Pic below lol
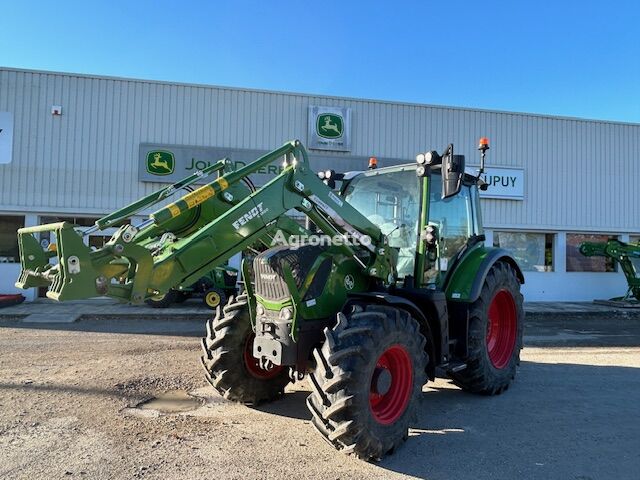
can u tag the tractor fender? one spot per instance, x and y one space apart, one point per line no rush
426 328
466 281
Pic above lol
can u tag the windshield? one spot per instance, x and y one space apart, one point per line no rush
390 200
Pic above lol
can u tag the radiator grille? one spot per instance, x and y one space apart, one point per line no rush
268 267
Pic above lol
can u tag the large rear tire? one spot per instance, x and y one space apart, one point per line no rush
367 381
228 359
496 323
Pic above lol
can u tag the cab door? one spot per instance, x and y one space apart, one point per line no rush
455 221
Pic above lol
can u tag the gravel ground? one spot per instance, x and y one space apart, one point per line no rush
68 392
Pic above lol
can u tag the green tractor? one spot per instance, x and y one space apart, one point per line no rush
395 287
214 288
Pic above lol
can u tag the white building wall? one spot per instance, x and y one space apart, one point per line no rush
580 175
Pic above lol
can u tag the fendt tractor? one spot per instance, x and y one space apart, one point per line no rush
394 287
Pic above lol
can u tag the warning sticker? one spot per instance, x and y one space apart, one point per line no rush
198 196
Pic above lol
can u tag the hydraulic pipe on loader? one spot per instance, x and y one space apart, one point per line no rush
136 263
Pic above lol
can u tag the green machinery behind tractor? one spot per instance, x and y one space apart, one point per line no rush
627 255
214 287
396 287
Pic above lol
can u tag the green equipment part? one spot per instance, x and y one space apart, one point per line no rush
395 286
626 254
147 260
214 287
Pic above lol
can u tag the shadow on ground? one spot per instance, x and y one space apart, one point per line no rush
292 405
556 421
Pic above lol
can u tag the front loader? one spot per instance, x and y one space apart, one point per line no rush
396 287
627 255
170 250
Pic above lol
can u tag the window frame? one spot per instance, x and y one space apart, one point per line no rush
16 258
554 246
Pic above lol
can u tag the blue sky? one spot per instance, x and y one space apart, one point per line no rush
573 57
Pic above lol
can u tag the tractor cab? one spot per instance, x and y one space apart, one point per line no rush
430 217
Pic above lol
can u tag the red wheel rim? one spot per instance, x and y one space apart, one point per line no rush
253 365
389 407
502 329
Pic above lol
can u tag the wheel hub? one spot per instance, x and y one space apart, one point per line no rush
381 382
212 299
391 385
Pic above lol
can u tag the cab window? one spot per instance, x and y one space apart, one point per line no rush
390 200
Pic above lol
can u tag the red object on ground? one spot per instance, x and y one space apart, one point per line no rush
8 300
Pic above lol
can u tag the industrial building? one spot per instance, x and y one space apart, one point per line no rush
76 147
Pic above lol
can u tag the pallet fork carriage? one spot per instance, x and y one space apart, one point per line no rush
405 288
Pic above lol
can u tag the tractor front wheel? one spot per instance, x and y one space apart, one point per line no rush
228 358
496 322
367 381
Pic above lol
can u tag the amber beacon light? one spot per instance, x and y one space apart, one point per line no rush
483 144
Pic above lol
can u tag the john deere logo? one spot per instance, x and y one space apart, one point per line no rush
329 125
160 162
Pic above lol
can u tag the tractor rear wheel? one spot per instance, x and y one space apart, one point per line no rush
496 322
214 297
228 358
367 381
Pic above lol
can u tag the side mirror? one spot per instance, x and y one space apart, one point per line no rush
452 172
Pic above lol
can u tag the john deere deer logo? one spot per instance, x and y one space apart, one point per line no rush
329 125
160 162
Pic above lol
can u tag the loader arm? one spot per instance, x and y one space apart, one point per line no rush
136 263
626 254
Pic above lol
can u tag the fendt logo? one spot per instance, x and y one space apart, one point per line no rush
329 125
160 162
253 213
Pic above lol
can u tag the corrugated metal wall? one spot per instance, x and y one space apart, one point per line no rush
580 175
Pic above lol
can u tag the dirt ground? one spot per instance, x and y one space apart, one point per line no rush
67 394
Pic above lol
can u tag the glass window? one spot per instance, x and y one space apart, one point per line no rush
452 217
9 225
576 262
80 221
48 237
392 202
532 251
98 241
